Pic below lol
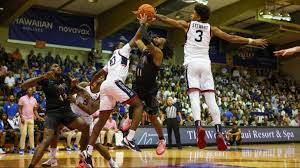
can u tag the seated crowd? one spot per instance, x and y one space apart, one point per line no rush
246 97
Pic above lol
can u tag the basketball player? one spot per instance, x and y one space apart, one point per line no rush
114 90
57 89
145 85
287 52
198 65
84 107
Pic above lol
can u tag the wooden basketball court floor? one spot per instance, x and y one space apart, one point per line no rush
275 155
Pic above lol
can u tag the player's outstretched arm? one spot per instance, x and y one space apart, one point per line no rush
140 31
99 74
288 51
89 109
181 24
34 81
238 39
146 42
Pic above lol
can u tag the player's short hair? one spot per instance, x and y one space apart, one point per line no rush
203 11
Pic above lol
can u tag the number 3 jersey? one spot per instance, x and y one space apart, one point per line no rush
118 65
197 42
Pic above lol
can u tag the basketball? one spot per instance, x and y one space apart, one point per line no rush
147 10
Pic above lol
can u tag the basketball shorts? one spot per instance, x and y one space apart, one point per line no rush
199 77
148 96
61 116
112 92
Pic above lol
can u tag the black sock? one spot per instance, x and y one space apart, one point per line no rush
198 123
218 128
161 138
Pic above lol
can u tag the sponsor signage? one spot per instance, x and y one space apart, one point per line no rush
54 28
147 135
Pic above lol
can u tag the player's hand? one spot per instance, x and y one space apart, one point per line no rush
49 74
143 19
260 42
181 123
285 52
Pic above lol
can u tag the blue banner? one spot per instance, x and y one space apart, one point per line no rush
255 57
125 37
53 28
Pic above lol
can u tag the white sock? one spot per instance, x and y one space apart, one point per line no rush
89 149
52 153
213 108
195 105
130 135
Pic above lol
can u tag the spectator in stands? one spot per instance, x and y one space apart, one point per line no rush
68 64
11 107
31 59
76 61
234 135
188 121
90 71
9 131
295 121
9 82
17 58
28 110
91 56
161 118
58 60
17 55
108 131
124 122
68 61
69 134
3 54
39 60
235 74
3 70
2 137
243 121
228 114
49 60
172 123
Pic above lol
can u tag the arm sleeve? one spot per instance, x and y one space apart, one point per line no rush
125 50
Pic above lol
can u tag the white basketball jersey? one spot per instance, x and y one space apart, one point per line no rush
197 42
81 99
118 65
